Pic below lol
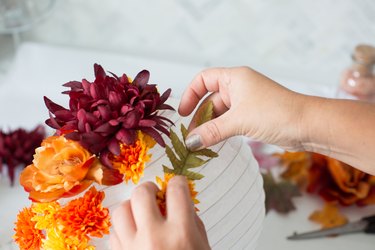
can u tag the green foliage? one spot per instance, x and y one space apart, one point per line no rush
279 194
181 158
204 113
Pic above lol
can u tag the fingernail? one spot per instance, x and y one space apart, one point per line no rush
194 142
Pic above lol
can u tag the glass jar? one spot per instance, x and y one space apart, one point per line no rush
358 81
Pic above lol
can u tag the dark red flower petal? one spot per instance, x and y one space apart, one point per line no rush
99 71
154 134
52 107
110 108
74 85
114 147
126 136
165 95
142 78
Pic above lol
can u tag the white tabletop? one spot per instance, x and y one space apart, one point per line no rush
41 70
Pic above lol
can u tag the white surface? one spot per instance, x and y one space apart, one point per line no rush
231 194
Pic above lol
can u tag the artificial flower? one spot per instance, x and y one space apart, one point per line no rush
27 236
17 148
161 194
337 181
279 194
297 166
45 214
56 240
132 158
85 216
329 217
265 161
108 112
61 168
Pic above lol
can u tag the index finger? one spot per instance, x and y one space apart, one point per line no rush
179 203
206 81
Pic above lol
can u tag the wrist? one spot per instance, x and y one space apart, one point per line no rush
300 131
313 126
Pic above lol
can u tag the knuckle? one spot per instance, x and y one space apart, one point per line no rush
119 211
245 68
177 189
142 190
212 131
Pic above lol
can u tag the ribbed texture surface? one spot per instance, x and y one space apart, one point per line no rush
231 194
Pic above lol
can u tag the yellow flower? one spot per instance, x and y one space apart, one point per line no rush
132 159
44 214
56 240
61 168
85 216
161 195
27 236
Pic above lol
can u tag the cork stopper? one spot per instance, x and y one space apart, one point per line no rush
363 60
364 54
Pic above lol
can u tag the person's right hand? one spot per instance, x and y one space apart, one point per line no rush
245 103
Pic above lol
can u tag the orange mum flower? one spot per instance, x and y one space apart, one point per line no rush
27 236
61 168
161 195
85 216
132 158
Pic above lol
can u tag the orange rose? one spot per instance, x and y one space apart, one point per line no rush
61 168
337 181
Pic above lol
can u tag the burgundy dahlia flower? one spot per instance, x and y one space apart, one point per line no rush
104 113
18 147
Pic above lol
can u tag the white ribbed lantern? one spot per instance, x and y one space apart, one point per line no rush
231 193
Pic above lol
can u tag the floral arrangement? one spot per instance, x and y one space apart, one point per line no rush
338 184
17 148
104 137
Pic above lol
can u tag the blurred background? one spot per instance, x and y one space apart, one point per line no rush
294 37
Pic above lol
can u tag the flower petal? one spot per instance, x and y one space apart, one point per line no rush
142 78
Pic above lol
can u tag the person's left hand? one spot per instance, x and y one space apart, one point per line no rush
138 223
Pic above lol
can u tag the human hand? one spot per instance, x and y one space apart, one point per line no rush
245 103
138 223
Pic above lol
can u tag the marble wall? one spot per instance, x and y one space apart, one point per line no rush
293 36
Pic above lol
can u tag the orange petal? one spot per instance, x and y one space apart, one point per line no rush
37 196
369 200
111 176
342 176
82 186
95 172
329 217
26 177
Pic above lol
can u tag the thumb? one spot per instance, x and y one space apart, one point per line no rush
211 132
